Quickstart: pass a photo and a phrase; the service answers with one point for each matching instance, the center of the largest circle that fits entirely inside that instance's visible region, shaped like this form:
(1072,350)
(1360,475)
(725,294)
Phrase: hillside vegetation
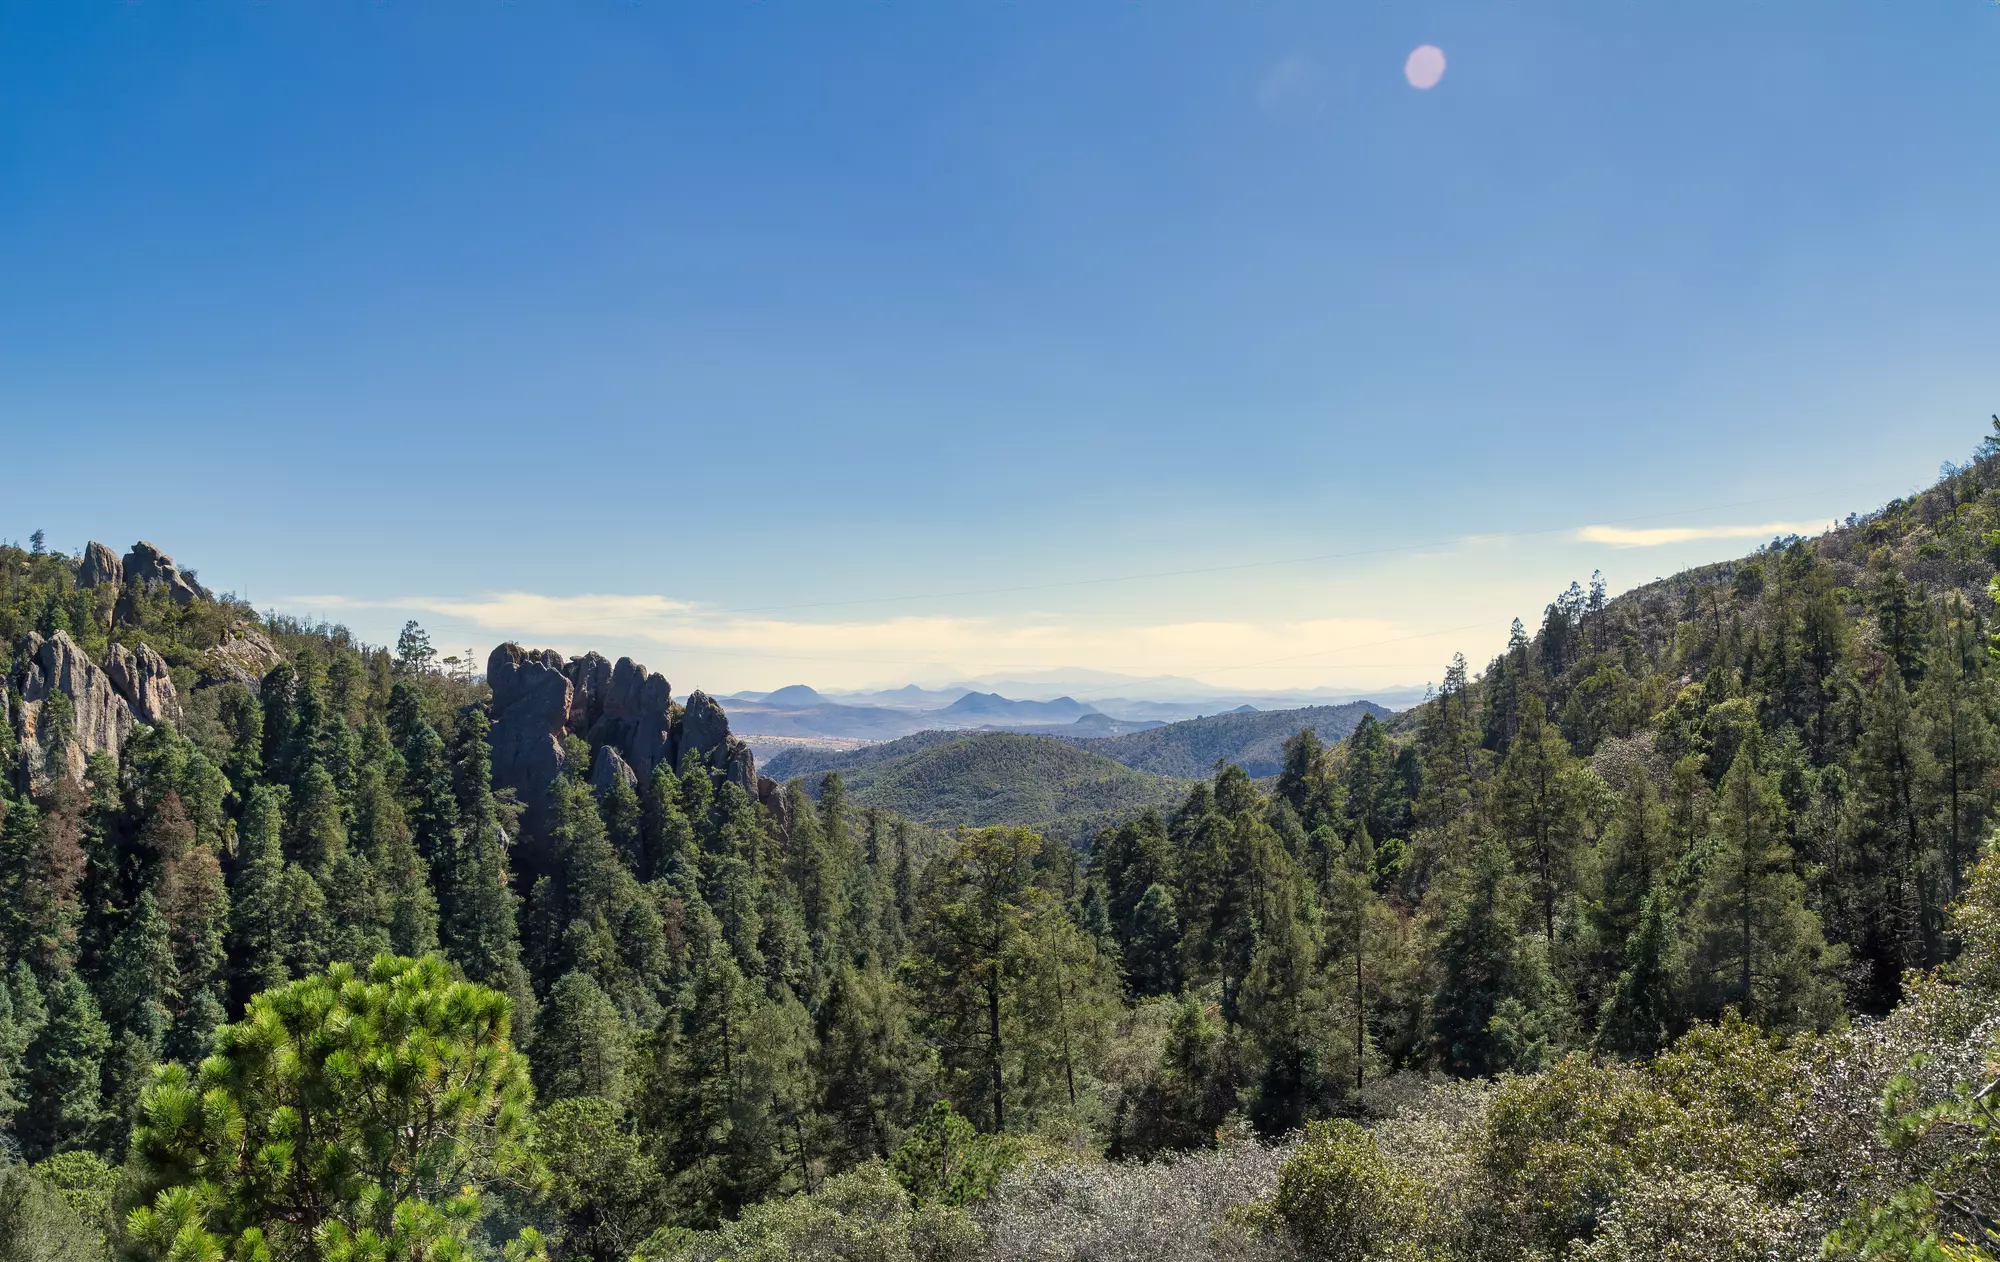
(990,778)
(1251,739)
(1568,963)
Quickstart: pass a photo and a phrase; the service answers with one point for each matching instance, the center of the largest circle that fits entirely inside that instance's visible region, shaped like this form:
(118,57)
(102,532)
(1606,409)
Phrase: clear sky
(696,329)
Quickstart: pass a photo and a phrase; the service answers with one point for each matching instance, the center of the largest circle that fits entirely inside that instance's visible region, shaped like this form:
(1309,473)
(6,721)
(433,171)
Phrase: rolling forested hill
(1568,962)
(949,778)
(1251,739)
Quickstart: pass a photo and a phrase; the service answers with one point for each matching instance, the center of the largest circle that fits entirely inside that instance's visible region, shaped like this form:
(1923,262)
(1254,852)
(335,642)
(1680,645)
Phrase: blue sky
(692,329)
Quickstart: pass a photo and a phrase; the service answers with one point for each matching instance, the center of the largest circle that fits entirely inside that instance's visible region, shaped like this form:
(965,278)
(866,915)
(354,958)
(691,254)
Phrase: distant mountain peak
(795,696)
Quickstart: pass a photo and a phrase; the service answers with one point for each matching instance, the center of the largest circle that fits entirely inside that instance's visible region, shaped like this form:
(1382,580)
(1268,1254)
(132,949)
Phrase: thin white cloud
(661,632)
(1653,537)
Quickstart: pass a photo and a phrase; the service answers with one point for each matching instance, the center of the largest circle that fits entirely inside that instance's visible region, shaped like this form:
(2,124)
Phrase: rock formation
(704,730)
(531,703)
(637,717)
(142,678)
(100,567)
(624,711)
(608,770)
(100,718)
(772,795)
(589,679)
(146,568)
(244,658)
(739,765)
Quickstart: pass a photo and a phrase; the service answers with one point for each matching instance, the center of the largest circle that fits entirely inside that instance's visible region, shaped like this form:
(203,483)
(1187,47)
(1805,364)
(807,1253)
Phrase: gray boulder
(101,718)
(771,795)
(531,704)
(608,770)
(100,567)
(244,658)
(147,568)
(142,678)
(589,679)
(704,732)
(637,717)
(740,766)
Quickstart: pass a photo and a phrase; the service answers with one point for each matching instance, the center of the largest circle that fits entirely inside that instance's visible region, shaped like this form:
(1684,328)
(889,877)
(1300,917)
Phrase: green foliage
(37,1224)
(355,1113)
(1000,779)
(861,1216)
(599,1179)
(1338,1198)
(945,1161)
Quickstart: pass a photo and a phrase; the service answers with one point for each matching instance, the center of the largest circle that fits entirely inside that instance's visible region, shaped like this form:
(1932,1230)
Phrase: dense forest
(1667,934)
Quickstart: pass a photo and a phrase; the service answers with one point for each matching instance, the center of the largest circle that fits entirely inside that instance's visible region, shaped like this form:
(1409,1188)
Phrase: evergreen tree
(1539,806)
(187,882)
(727,1092)
(22,1016)
(139,977)
(869,1063)
(479,928)
(1490,997)
(1760,948)
(65,1064)
(582,1047)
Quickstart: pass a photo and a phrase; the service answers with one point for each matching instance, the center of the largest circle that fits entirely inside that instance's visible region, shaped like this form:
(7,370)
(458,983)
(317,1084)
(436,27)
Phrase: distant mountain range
(951,777)
(799,714)
(1251,739)
(985,778)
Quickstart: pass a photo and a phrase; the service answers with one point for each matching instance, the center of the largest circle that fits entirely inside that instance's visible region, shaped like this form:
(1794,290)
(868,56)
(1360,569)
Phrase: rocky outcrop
(531,705)
(739,765)
(146,568)
(589,679)
(142,678)
(100,718)
(100,567)
(609,770)
(244,658)
(636,717)
(704,731)
(771,795)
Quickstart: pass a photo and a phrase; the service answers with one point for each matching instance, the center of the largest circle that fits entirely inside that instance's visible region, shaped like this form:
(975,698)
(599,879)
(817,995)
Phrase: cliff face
(103,704)
(623,711)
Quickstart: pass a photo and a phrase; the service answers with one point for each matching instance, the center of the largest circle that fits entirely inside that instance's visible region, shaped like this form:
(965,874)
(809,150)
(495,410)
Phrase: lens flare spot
(1425,66)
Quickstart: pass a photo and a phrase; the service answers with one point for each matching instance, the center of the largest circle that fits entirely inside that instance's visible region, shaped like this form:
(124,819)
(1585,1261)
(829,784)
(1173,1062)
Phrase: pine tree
(870,1065)
(1490,997)
(1538,804)
(42,866)
(1760,948)
(187,881)
(479,929)
(1288,1016)
(22,1016)
(671,851)
(318,828)
(1900,862)
(139,976)
(1646,1009)
(65,1068)
(727,1091)
(1184,1105)
(1957,705)
(981,898)
(582,1047)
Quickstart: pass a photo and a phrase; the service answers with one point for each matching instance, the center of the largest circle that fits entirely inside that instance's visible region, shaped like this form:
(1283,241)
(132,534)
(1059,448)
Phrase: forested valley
(1671,933)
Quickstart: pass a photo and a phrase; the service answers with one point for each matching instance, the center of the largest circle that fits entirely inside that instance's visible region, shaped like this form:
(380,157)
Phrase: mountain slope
(1251,739)
(947,778)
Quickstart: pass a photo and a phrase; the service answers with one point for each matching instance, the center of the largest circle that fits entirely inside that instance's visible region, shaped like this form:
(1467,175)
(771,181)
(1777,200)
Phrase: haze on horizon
(859,344)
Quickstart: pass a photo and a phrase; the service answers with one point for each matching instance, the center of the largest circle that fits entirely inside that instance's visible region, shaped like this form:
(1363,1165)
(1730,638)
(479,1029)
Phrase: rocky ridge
(103,702)
(624,712)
